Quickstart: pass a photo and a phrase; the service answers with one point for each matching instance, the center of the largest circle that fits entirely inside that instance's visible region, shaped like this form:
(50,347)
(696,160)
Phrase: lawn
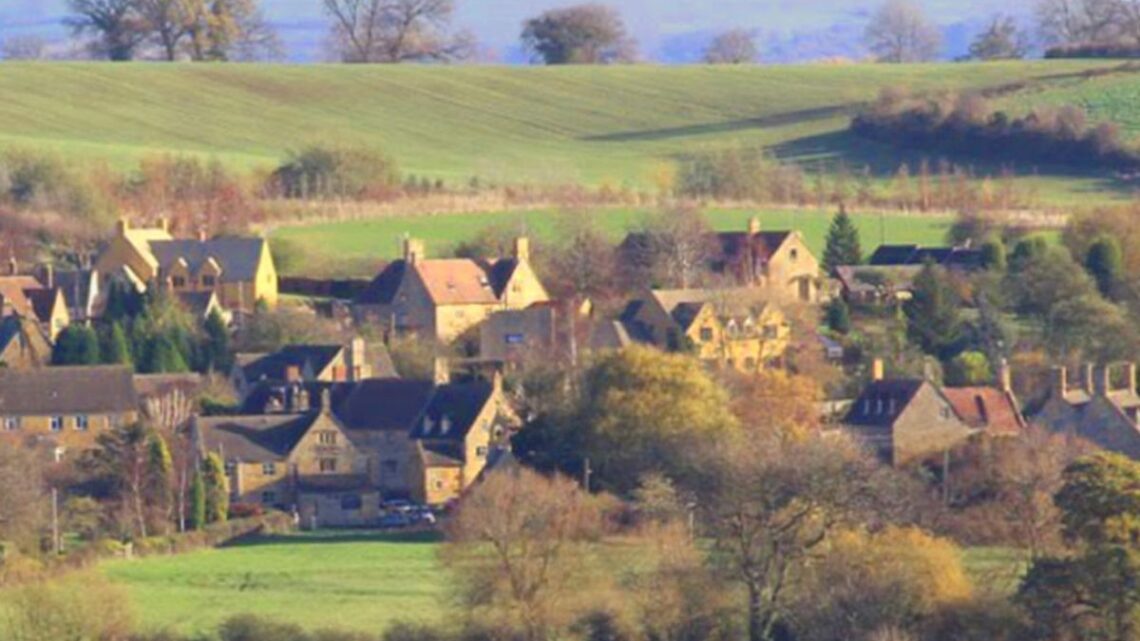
(503,124)
(359,582)
(357,246)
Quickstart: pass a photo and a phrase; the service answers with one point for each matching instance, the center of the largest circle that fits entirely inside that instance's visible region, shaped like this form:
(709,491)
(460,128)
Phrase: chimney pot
(1102,381)
(522,248)
(877,370)
(413,250)
(1087,379)
(442,371)
(49,276)
(753,225)
(1005,376)
(326,400)
(1060,382)
(202,237)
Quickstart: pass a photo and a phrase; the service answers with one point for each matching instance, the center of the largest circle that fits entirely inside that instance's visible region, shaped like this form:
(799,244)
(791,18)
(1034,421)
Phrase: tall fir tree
(216,344)
(217,496)
(164,357)
(76,345)
(843,247)
(1105,264)
(933,321)
(115,349)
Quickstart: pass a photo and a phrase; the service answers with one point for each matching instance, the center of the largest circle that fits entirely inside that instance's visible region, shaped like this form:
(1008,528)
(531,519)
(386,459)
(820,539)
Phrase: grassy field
(519,124)
(355,247)
(358,582)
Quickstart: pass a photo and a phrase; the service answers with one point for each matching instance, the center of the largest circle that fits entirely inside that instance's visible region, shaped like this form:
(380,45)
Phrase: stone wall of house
(71,436)
(793,272)
(927,426)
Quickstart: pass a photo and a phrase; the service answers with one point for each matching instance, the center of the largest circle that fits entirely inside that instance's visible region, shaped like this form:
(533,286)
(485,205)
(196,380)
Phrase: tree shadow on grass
(330,537)
(729,126)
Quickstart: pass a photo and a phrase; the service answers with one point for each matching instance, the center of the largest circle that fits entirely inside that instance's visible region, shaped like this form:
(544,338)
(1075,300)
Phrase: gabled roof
(262,438)
(385,404)
(955,257)
(456,281)
(274,366)
(881,402)
(459,403)
(14,290)
(892,255)
(25,334)
(985,408)
(863,278)
(274,396)
(237,256)
(67,390)
(760,247)
(499,273)
(43,302)
(382,289)
(76,286)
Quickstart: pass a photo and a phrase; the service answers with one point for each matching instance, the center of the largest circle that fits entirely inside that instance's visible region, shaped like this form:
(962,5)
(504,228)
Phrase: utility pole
(56,543)
(586,472)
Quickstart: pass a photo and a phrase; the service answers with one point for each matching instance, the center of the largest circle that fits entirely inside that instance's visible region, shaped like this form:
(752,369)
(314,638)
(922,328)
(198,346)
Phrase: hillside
(612,124)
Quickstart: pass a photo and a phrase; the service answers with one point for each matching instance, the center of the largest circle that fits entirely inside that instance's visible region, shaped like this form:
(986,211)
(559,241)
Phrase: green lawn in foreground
(352,581)
(504,124)
(349,581)
(356,246)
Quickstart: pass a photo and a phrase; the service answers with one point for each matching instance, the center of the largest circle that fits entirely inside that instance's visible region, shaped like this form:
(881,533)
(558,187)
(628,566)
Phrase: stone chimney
(163,223)
(122,226)
(49,276)
(356,360)
(1060,382)
(1130,378)
(13,266)
(753,225)
(441,374)
(522,248)
(202,237)
(1004,376)
(1102,380)
(293,373)
(326,401)
(297,399)
(413,250)
(877,370)
(1087,379)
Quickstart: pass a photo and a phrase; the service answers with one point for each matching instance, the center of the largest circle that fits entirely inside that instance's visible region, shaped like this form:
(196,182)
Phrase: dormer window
(879,407)
(429,425)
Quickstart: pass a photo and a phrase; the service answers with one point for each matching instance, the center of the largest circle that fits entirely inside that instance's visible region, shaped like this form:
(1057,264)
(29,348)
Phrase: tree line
(969,125)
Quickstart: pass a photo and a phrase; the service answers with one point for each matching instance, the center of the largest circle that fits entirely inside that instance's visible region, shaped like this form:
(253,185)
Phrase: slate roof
(874,406)
(67,390)
(15,290)
(76,287)
(740,245)
(384,404)
(274,366)
(29,332)
(965,258)
(271,396)
(860,278)
(238,257)
(197,304)
(382,289)
(264,438)
(460,403)
(43,301)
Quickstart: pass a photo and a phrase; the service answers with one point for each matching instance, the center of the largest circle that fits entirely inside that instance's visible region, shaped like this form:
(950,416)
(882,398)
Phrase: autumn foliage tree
(581,34)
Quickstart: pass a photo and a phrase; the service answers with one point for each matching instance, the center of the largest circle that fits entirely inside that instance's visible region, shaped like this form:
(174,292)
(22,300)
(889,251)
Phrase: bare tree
(734,47)
(769,503)
(681,246)
(511,546)
(119,26)
(23,48)
(396,31)
(170,22)
(900,32)
(23,503)
(582,34)
(1002,40)
(1076,21)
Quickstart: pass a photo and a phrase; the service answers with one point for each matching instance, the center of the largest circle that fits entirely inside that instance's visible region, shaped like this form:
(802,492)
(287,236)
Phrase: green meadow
(352,581)
(356,247)
(518,124)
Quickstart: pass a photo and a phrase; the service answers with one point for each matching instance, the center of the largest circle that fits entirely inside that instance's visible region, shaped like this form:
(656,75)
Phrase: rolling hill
(613,124)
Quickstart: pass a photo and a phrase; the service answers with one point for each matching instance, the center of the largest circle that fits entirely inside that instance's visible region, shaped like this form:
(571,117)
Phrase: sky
(666,30)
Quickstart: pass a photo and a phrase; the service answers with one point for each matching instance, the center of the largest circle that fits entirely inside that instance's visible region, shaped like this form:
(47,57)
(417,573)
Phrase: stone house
(905,420)
(379,414)
(23,343)
(510,336)
(65,407)
(462,428)
(353,361)
(446,298)
(1096,409)
(304,461)
(239,270)
(779,262)
(963,257)
(876,285)
(731,328)
(29,297)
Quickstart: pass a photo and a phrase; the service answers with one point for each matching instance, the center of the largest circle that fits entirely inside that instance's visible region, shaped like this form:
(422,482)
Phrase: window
(945,413)
(516,288)
(439,484)
(328,465)
(57,423)
(794,254)
(209,281)
(328,438)
(514,339)
(268,498)
(350,502)
(481,451)
(178,282)
(81,423)
(706,334)
(11,423)
(269,469)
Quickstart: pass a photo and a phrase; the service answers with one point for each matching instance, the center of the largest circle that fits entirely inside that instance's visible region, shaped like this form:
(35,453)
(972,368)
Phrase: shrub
(245,510)
(337,172)
(247,627)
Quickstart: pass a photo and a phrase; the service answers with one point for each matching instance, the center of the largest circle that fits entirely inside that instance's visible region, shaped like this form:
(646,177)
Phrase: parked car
(396,505)
(422,515)
(395,520)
